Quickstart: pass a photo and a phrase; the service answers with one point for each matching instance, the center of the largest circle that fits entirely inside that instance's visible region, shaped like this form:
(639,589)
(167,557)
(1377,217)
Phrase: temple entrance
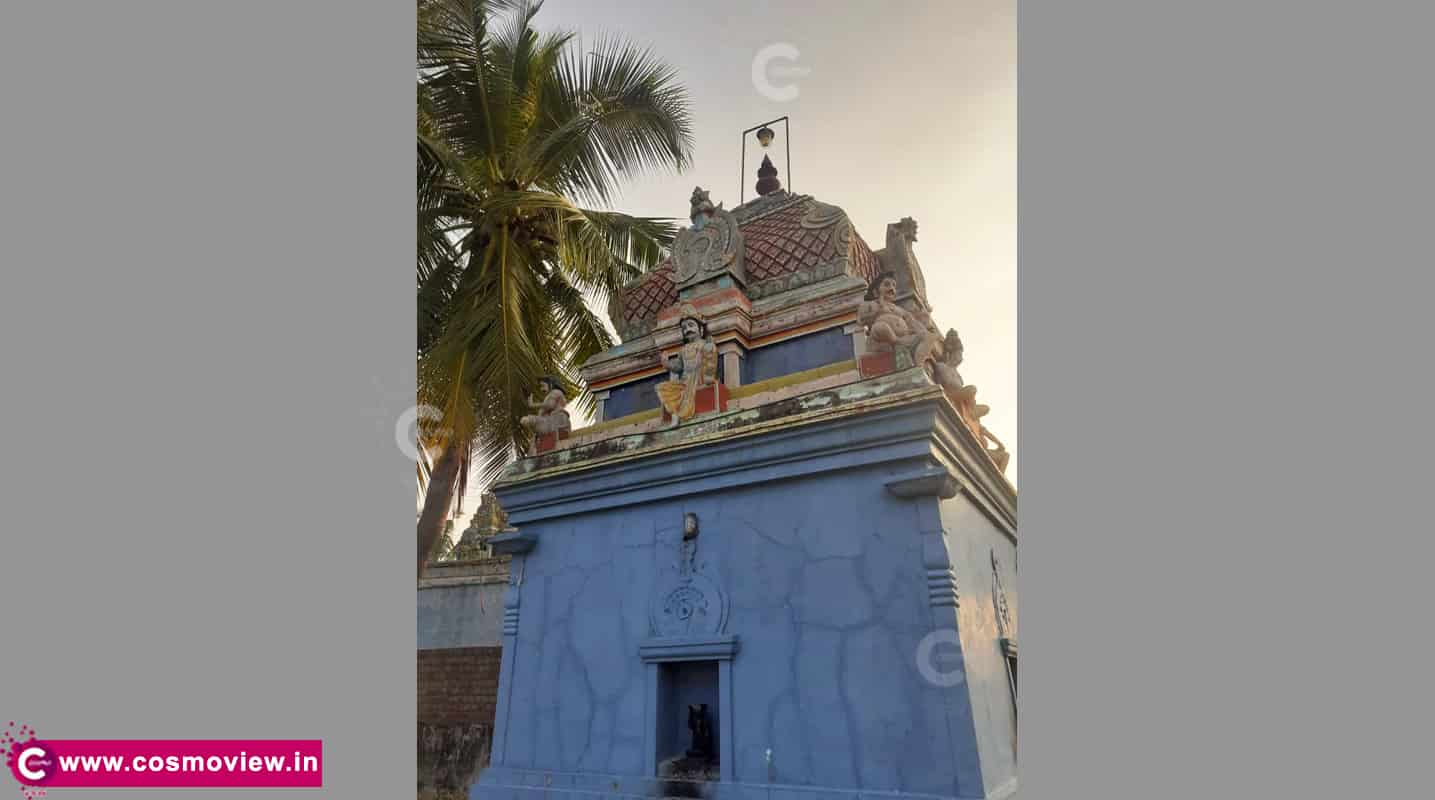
(688,732)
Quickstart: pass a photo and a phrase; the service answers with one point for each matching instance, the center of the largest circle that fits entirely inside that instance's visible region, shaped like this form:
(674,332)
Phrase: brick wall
(458,692)
(458,685)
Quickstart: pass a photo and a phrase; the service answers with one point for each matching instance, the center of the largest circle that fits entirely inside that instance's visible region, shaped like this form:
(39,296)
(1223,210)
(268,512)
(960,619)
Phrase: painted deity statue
(692,368)
(552,416)
(892,327)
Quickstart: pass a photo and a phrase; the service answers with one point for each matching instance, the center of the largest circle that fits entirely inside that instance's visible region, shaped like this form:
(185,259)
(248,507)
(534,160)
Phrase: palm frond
(514,130)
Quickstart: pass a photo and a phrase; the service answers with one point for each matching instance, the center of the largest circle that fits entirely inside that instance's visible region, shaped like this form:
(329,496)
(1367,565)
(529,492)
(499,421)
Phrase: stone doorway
(689,725)
(689,711)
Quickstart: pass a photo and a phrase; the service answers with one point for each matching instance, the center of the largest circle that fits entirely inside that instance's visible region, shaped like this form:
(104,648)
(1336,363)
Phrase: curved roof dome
(788,241)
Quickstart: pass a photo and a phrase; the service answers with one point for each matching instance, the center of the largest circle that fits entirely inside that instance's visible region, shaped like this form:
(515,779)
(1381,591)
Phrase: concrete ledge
(740,397)
(935,481)
(470,580)
(465,573)
(704,648)
(512,543)
(509,783)
(892,418)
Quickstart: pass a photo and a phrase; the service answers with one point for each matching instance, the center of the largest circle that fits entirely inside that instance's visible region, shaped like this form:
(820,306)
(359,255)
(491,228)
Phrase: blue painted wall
(630,398)
(795,355)
(832,590)
(828,598)
(993,714)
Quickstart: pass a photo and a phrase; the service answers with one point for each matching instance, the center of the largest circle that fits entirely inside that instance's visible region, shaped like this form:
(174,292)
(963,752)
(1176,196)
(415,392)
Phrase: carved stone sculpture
(945,371)
(962,395)
(700,726)
(998,454)
(899,259)
(711,248)
(488,521)
(691,369)
(687,600)
(701,207)
(891,327)
(552,416)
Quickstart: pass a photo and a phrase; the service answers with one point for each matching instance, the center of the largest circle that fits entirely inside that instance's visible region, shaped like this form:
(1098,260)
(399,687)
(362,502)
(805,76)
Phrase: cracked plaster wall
(828,596)
(971,540)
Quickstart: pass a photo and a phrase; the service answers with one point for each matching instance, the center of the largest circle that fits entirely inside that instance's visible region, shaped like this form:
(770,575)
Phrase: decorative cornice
(694,648)
(462,580)
(830,404)
(582,436)
(981,481)
(899,417)
(513,543)
(458,573)
(933,481)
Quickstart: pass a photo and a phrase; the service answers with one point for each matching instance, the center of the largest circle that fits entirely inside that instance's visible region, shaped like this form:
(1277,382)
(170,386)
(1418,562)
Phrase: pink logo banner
(162,763)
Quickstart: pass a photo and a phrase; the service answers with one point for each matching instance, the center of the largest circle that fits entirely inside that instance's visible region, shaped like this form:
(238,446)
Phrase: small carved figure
(488,521)
(702,733)
(899,259)
(891,327)
(905,228)
(945,370)
(692,368)
(552,416)
(963,396)
(711,247)
(998,454)
(702,208)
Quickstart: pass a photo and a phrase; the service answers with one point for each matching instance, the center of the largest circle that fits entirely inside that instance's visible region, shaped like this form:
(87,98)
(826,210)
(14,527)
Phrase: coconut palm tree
(519,135)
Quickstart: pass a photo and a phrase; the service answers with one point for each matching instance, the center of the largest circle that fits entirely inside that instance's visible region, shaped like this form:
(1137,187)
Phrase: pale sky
(901,110)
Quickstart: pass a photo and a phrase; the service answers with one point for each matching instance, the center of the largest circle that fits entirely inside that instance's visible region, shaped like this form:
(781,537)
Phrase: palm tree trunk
(437,500)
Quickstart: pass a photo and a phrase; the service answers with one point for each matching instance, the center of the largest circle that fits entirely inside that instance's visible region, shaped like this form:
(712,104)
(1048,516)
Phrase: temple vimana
(781,563)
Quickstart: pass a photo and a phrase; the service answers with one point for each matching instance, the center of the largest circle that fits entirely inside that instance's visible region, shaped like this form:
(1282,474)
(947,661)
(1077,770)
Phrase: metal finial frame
(786,143)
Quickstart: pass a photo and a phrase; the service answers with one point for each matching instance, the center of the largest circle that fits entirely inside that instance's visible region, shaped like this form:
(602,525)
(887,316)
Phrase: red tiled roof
(654,293)
(773,245)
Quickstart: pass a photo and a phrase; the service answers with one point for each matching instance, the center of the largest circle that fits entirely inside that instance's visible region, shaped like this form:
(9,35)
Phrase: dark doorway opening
(689,734)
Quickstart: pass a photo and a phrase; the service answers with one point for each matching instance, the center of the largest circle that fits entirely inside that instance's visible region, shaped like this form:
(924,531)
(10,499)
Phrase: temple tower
(782,563)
